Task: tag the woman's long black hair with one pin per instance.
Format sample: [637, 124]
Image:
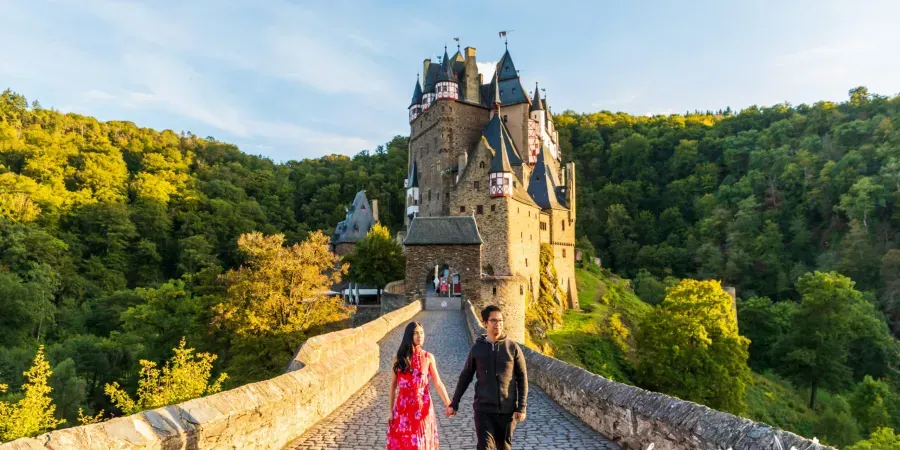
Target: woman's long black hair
[404, 353]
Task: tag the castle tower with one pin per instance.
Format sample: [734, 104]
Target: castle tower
[415, 107]
[431, 73]
[447, 85]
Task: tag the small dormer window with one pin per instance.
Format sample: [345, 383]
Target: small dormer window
[481, 165]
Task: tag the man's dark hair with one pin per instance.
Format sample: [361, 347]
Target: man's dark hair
[486, 312]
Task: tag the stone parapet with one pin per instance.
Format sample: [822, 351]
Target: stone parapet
[635, 418]
[268, 414]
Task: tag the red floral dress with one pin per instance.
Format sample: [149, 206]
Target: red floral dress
[413, 426]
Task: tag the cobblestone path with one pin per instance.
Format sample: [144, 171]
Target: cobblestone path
[361, 423]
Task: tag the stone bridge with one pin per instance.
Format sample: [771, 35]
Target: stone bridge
[334, 396]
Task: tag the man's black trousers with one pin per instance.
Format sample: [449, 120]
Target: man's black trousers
[494, 431]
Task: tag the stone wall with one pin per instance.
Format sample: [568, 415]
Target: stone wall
[393, 297]
[326, 371]
[635, 418]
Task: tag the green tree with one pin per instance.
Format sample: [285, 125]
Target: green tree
[33, 414]
[816, 348]
[881, 439]
[376, 259]
[765, 323]
[186, 376]
[689, 347]
[871, 404]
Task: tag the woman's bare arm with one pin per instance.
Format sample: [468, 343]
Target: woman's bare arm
[393, 391]
[442, 391]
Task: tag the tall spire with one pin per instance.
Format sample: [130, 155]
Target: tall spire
[447, 73]
[536, 104]
[496, 91]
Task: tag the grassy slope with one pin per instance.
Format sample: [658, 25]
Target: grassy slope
[583, 338]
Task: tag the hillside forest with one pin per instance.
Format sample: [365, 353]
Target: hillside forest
[117, 242]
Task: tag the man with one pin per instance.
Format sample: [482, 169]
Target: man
[501, 390]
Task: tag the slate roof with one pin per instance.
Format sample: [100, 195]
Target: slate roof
[447, 230]
[431, 77]
[417, 93]
[500, 161]
[537, 104]
[446, 73]
[506, 70]
[358, 222]
[543, 184]
[497, 134]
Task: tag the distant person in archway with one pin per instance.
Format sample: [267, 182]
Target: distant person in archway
[411, 421]
[501, 390]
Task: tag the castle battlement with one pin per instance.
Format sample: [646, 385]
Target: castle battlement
[488, 149]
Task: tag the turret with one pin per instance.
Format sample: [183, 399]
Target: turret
[447, 85]
[495, 92]
[412, 191]
[415, 107]
[430, 77]
[537, 107]
[501, 173]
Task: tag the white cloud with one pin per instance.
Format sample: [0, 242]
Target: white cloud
[487, 69]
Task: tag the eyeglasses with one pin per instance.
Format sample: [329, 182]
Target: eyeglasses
[496, 321]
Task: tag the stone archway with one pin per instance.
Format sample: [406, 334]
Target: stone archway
[462, 259]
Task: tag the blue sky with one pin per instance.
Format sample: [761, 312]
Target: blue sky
[294, 80]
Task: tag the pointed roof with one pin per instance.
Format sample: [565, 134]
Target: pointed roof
[447, 73]
[497, 135]
[537, 104]
[506, 70]
[417, 93]
[431, 77]
[500, 161]
[413, 176]
[542, 187]
[358, 222]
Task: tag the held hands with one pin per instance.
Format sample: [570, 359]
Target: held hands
[450, 411]
[519, 417]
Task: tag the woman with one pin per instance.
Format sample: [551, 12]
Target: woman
[412, 424]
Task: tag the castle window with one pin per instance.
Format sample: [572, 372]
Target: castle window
[493, 208]
[521, 291]
[481, 165]
[462, 209]
[544, 226]
[479, 209]
[495, 290]
[475, 184]
[526, 262]
[429, 195]
[563, 225]
[564, 253]
[514, 90]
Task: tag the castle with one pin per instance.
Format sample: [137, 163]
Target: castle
[486, 187]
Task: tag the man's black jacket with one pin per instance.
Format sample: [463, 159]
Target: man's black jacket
[502, 384]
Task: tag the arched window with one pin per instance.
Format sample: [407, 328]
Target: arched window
[481, 165]
[495, 290]
[521, 290]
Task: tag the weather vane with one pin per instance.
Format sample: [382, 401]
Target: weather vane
[505, 39]
[457, 43]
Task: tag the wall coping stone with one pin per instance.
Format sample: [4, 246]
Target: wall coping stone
[264, 415]
[635, 418]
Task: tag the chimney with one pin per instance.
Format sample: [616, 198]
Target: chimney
[425, 65]
[375, 210]
[472, 82]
